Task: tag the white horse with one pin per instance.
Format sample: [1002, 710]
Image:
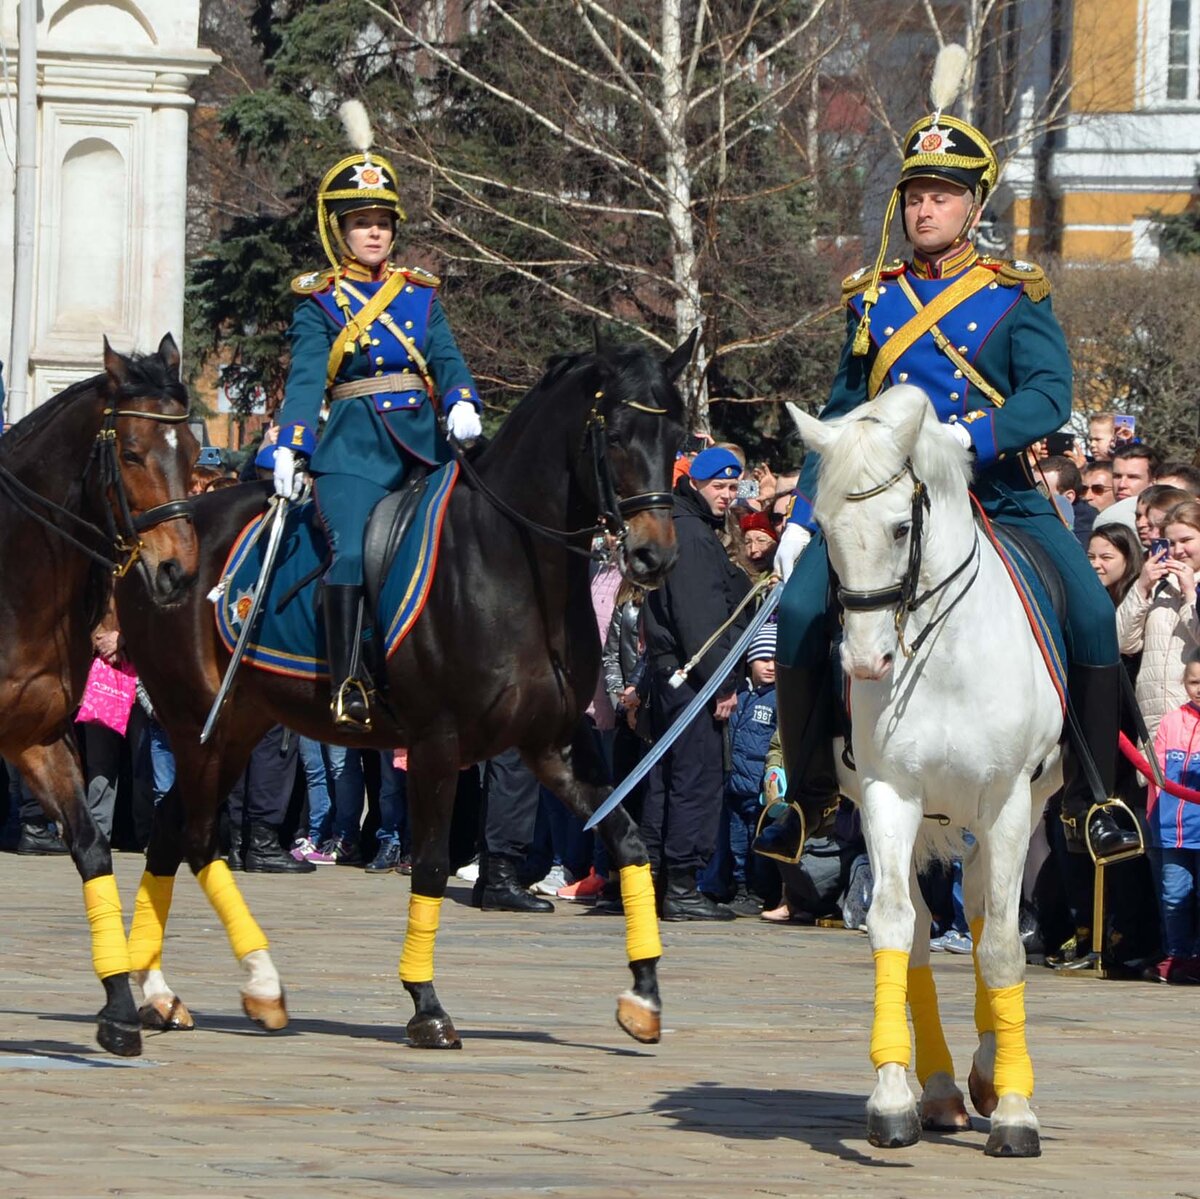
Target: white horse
[956, 725]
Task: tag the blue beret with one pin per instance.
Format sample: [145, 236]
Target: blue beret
[266, 457]
[715, 463]
[210, 456]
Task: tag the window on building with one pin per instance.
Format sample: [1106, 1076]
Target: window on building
[1182, 45]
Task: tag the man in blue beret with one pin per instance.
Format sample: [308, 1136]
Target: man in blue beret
[684, 794]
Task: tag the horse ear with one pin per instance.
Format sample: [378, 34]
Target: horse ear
[115, 366]
[681, 356]
[598, 339]
[168, 351]
[904, 408]
[813, 433]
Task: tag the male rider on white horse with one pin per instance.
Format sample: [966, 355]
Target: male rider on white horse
[979, 336]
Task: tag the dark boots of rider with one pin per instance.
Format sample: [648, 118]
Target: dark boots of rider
[1096, 697]
[805, 706]
[264, 854]
[343, 641]
[501, 892]
[683, 902]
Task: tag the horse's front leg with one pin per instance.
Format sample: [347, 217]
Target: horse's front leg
[578, 777]
[890, 825]
[432, 779]
[56, 780]
[941, 1107]
[1001, 964]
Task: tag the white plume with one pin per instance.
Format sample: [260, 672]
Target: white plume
[357, 124]
[949, 71]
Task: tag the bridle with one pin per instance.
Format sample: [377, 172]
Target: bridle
[902, 595]
[613, 509]
[125, 540]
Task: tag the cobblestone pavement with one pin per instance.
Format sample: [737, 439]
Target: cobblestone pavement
[757, 1088]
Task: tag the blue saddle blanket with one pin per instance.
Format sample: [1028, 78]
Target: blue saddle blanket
[289, 635]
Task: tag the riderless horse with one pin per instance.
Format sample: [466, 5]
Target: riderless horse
[504, 653]
[90, 486]
[956, 725]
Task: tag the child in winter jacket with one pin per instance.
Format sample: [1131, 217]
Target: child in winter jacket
[1175, 835]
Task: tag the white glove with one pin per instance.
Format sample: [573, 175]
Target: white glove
[791, 546]
[463, 421]
[289, 473]
[959, 433]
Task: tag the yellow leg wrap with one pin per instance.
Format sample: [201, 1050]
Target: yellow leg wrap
[416, 959]
[110, 950]
[1014, 1067]
[150, 914]
[240, 927]
[889, 1033]
[933, 1054]
[983, 1007]
[641, 920]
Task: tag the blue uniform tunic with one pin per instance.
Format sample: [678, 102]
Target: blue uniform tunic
[1014, 341]
[369, 440]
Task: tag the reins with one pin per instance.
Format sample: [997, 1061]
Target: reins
[126, 542]
[613, 509]
[903, 594]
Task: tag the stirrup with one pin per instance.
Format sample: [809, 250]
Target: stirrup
[1115, 805]
[341, 717]
[766, 822]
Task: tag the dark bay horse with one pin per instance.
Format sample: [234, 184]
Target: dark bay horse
[504, 654]
[90, 484]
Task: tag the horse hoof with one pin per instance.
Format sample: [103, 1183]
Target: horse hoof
[166, 1015]
[1013, 1140]
[640, 1018]
[433, 1032]
[895, 1131]
[983, 1094]
[945, 1115]
[270, 1014]
[124, 1040]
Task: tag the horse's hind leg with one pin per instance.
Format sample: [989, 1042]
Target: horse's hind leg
[55, 777]
[982, 1081]
[577, 776]
[941, 1107]
[432, 778]
[1002, 966]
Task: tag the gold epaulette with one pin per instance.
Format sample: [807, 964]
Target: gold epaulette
[312, 282]
[861, 279]
[421, 278]
[1015, 272]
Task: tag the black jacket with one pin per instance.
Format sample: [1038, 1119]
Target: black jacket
[701, 591]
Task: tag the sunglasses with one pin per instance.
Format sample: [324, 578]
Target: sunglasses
[1097, 488]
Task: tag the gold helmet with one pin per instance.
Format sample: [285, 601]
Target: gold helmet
[360, 180]
[936, 147]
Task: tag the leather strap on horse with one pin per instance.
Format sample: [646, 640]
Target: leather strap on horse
[926, 316]
[358, 324]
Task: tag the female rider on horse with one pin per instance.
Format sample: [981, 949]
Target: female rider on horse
[979, 336]
[373, 340]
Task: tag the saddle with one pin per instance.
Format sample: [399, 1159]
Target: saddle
[1033, 561]
[390, 520]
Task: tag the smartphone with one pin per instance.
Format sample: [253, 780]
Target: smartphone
[747, 489]
[1124, 427]
[1159, 546]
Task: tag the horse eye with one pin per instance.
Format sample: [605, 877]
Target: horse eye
[131, 457]
[901, 531]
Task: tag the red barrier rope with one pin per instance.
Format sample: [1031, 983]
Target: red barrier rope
[1134, 756]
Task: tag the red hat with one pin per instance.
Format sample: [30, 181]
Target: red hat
[760, 521]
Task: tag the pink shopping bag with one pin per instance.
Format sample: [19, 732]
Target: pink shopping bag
[109, 696]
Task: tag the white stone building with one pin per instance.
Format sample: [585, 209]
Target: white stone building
[113, 80]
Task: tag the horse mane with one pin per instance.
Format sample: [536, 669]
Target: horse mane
[867, 454]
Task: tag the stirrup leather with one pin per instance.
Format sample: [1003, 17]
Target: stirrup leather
[343, 718]
[1130, 823]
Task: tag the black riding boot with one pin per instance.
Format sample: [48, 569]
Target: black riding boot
[502, 893]
[350, 704]
[683, 902]
[1096, 697]
[803, 699]
[265, 855]
[236, 848]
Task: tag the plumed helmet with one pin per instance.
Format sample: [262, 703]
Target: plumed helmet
[364, 179]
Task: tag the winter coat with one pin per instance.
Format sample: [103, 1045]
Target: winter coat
[1175, 823]
[1165, 629]
[751, 728]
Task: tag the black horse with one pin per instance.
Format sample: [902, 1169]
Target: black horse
[90, 483]
[504, 654]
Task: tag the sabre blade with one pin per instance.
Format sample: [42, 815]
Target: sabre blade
[701, 698]
[260, 589]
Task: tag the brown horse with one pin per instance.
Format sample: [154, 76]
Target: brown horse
[89, 486]
[504, 654]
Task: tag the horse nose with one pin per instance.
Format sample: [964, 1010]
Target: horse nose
[649, 562]
[168, 577]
